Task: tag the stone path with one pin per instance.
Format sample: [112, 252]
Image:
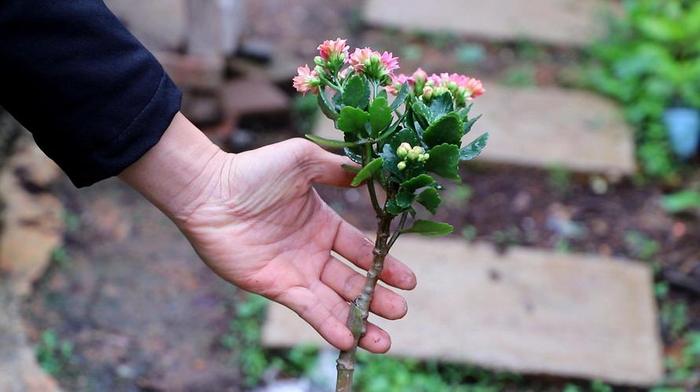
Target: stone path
[546, 127]
[558, 22]
[32, 227]
[33, 221]
[528, 311]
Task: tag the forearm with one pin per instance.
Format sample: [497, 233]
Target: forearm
[179, 170]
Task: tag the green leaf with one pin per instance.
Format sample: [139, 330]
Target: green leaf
[327, 107]
[464, 112]
[417, 182]
[367, 171]
[469, 124]
[405, 135]
[448, 129]
[356, 92]
[429, 228]
[322, 141]
[421, 113]
[444, 161]
[681, 202]
[402, 202]
[430, 199]
[352, 120]
[379, 115]
[441, 105]
[390, 160]
[473, 149]
[400, 97]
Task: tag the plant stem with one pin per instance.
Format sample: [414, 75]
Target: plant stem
[359, 308]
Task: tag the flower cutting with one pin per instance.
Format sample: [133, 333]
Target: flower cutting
[405, 134]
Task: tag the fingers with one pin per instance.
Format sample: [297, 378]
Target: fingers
[354, 246]
[325, 167]
[309, 307]
[348, 284]
[375, 340]
[327, 313]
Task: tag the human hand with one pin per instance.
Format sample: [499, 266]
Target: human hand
[255, 219]
[266, 230]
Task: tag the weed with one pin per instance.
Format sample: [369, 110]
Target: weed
[520, 76]
[559, 179]
[674, 318]
[243, 338]
[470, 54]
[640, 245]
[53, 354]
[61, 257]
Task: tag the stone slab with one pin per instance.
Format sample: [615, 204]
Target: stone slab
[557, 22]
[549, 126]
[214, 26]
[528, 311]
[158, 24]
[249, 96]
[33, 222]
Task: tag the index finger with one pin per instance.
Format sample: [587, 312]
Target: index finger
[352, 244]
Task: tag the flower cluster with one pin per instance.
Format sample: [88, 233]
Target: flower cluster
[463, 88]
[333, 55]
[375, 65]
[410, 154]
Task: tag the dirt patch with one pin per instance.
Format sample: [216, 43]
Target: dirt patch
[140, 309]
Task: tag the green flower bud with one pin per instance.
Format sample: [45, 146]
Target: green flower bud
[318, 60]
[401, 165]
[423, 157]
[403, 150]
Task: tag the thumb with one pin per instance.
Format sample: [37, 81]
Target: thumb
[328, 167]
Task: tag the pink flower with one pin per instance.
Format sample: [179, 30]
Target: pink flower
[360, 58]
[474, 87]
[306, 80]
[397, 81]
[375, 65]
[420, 75]
[333, 49]
[390, 62]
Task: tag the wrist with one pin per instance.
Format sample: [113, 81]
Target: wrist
[177, 173]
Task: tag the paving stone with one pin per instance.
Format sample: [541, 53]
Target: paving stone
[33, 222]
[214, 26]
[193, 71]
[558, 22]
[158, 24]
[248, 96]
[545, 127]
[528, 311]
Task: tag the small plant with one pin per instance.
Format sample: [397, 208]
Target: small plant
[53, 354]
[641, 246]
[400, 143]
[559, 179]
[674, 318]
[243, 338]
[650, 61]
[683, 201]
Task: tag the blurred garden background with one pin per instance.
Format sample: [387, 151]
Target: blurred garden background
[574, 266]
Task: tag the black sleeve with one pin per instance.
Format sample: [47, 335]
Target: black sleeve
[93, 97]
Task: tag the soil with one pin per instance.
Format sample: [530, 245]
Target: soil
[140, 308]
